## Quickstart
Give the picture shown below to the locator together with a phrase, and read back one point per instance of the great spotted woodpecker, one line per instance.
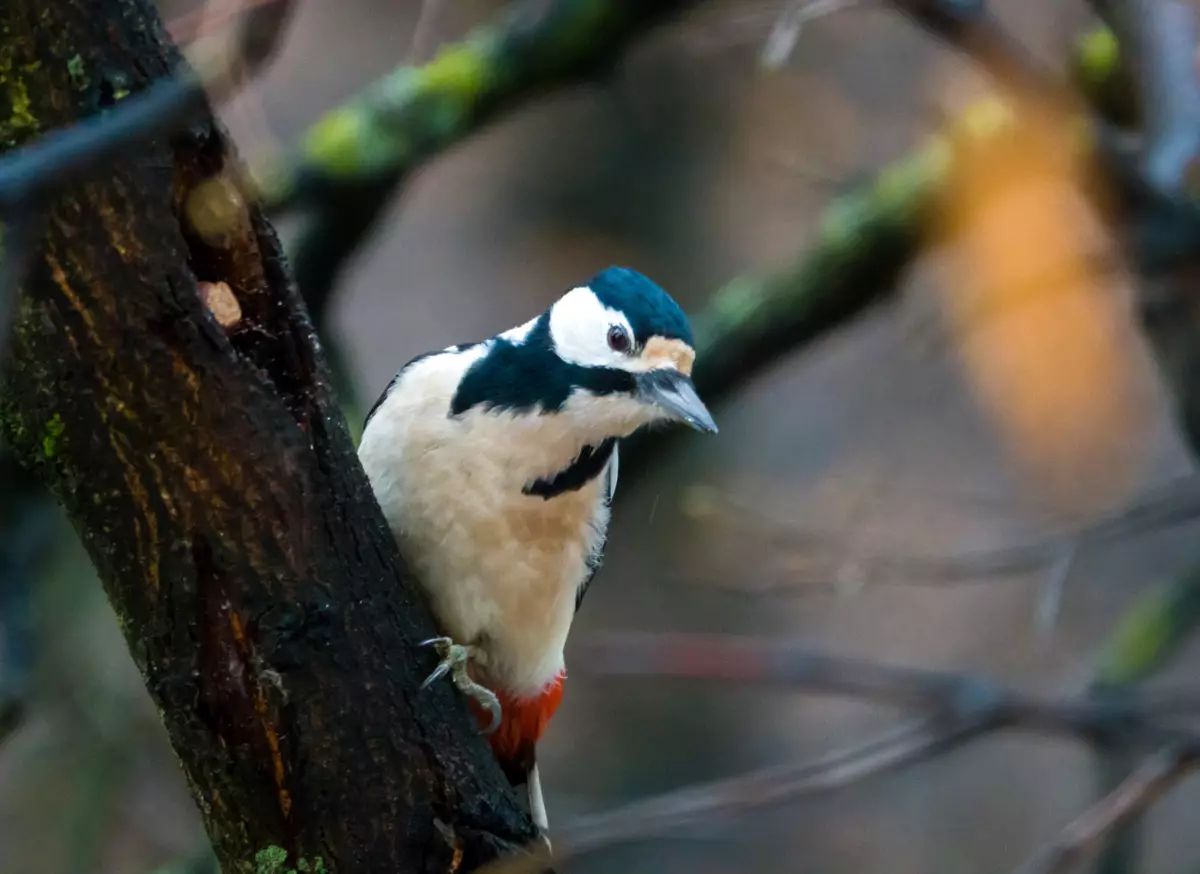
(495, 465)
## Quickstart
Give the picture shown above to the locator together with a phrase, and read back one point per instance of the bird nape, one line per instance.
(495, 465)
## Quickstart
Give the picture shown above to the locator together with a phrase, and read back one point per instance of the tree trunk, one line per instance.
(211, 477)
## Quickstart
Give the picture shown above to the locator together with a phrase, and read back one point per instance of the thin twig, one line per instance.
(959, 708)
(262, 32)
(785, 33)
(719, 800)
(422, 32)
(199, 22)
(703, 804)
(753, 660)
(1084, 837)
(1176, 503)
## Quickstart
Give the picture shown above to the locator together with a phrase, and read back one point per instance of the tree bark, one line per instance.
(212, 478)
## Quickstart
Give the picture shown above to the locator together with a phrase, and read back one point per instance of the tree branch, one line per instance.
(751, 660)
(1085, 836)
(261, 33)
(354, 159)
(31, 174)
(866, 240)
(1159, 37)
(721, 800)
(213, 482)
(961, 709)
(718, 801)
(1150, 633)
(968, 25)
(869, 237)
(829, 555)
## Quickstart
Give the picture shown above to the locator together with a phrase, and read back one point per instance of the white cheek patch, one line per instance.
(579, 326)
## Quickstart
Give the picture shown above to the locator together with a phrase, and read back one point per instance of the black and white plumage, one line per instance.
(495, 464)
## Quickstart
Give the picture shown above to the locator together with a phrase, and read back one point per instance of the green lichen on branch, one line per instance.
(78, 72)
(54, 430)
(866, 239)
(1098, 72)
(17, 120)
(273, 860)
(416, 111)
(1144, 641)
(352, 160)
(1151, 632)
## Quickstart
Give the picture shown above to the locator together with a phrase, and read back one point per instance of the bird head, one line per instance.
(632, 349)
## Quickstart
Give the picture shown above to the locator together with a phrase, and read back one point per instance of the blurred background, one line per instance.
(920, 430)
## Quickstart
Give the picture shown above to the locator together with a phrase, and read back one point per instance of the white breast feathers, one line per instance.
(501, 568)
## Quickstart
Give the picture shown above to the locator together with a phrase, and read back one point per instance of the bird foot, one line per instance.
(455, 658)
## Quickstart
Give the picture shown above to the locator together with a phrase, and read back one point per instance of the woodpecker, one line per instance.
(495, 465)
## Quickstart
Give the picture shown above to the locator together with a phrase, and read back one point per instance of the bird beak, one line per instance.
(671, 391)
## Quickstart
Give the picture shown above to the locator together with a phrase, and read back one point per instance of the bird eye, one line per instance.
(618, 340)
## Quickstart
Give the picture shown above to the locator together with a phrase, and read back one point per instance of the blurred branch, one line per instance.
(1146, 638)
(261, 33)
(1100, 74)
(1159, 39)
(353, 160)
(1157, 42)
(1143, 788)
(969, 26)
(866, 239)
(869, 237)
(832, 557)
(260, 28)
(720, 800)
(1149, 634)
(785, 32)
(961, 709)
(755, 661)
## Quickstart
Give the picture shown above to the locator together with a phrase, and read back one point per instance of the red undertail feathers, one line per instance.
(521, 725)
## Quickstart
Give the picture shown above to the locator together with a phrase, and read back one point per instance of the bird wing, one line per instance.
(596, 558)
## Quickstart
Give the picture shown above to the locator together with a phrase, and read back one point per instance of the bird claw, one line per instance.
(455, 658)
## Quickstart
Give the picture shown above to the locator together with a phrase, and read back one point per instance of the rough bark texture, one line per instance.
(215, 486)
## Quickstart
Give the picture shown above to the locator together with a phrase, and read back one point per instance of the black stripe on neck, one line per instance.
(585, 468)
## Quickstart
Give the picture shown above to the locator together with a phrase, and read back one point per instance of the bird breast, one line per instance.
(500, 568)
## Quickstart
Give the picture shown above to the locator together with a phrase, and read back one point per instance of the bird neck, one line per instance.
(560, 419)
(556, 449)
